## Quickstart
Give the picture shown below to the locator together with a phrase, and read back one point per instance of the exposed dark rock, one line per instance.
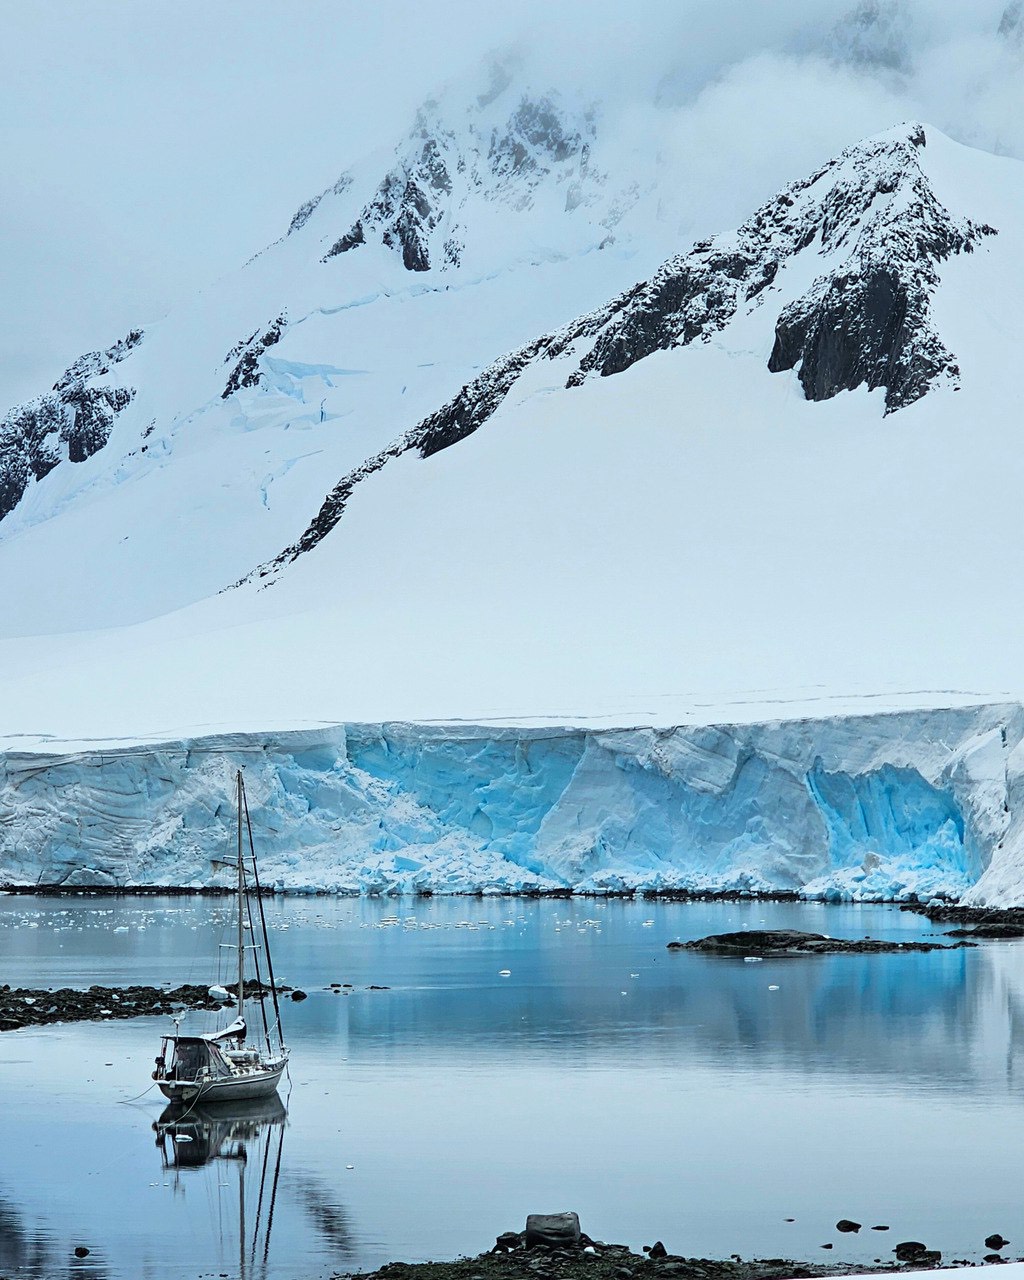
(657, 1250)
(880, 1228)
(246, 372)
(953, 913)
(993, 1257)
(793, 942)
(416, 202)
(305, 211)
(996, 1241)
(846, 1226)
(991, 930)
(594, 1260)
(909, 1250)
(826, 1246)
(81, 1251)
(509, 1240)
(298, 995)
(72, 422)
(26, 1007)
(553, 1230)
(350, 240)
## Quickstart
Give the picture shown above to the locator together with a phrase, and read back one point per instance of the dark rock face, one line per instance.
(793, 942)
(868, 323)
(996, 1241)
(306, 211)
(863, 322)
(846, 1226)
(246, 372)
(72, 422)
(414, 210)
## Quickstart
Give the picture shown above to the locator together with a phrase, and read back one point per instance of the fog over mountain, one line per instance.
(149, 149)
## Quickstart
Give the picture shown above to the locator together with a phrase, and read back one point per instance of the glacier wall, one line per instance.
(924, 803)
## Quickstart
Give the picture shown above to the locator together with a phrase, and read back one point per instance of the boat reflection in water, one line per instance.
(247, 1135)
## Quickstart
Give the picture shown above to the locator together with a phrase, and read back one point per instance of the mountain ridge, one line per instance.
(863, 321)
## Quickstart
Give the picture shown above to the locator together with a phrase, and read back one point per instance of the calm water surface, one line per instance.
(697, 1100)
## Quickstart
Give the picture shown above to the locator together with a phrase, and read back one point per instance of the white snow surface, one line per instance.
(689, 543)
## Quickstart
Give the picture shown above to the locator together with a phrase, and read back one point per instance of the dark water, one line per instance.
(661, 1095)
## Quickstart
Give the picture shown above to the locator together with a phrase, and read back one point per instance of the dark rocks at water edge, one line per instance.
(953, 913)
(916, 1252)
(793, 942)
(578, 1257)
(996, 930)
(28, 1007)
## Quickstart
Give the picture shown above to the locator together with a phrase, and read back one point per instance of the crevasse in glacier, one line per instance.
(864, 808)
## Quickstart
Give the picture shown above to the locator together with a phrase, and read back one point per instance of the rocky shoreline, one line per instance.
(940, 913)
(33, 1007)
(522, 1255)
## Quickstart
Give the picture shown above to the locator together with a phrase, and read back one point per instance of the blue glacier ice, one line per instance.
(872, 808)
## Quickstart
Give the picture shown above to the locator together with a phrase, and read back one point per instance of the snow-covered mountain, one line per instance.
(488, 223)
(477, 441)
(872, 228)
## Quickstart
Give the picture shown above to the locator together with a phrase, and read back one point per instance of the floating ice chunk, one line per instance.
(772, 987)
(752, 959)
(504, 973)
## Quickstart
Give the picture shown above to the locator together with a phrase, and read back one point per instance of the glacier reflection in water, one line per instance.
(525, 1056)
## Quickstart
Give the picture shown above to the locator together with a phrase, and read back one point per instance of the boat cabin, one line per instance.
(188, 1058)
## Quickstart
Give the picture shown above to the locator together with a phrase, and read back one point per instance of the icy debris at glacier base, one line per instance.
(918, 804)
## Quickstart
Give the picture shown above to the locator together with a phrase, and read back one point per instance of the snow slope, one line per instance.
(779, 477)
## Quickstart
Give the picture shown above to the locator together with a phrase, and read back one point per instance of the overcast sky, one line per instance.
(148, 145)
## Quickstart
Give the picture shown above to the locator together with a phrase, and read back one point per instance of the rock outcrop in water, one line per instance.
(794, 942)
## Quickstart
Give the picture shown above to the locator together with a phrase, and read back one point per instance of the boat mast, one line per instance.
(241, 905)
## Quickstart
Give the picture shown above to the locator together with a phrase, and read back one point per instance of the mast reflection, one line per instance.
(248, 1135)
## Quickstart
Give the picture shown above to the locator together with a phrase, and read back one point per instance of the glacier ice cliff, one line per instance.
(891, 806)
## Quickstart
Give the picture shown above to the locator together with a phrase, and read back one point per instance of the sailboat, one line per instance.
(221, 1066)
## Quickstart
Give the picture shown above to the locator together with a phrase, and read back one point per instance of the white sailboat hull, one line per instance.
(236, 1088)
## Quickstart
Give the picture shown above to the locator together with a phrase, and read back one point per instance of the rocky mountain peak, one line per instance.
(499, 149)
